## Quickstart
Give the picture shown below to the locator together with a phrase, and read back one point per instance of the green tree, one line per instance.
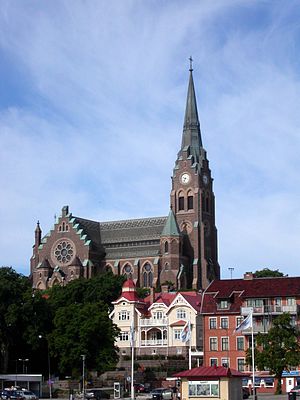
(12, 288)
(268, 273)
(83, 329)
(277, 350)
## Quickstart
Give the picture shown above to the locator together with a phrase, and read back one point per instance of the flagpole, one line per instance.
(132, 371)
(253, 363)
(190, 346)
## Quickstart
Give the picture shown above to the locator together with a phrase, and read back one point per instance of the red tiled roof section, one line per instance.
(237, 290)
(206, 372)
(178, 323)
(257, 287)
(129, 284)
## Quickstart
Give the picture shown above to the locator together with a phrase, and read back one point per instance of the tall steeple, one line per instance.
(193, 201)
(191, 128)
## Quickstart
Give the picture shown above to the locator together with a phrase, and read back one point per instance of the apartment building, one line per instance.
(224, 306)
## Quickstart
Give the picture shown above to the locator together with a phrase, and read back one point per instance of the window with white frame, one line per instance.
(177, 333)
(213, 344)
(213, 361)
(239, 320)
(212, 323)
(124, 336)
(124, 315)
(224, 322)
(240, 364)
(203, 388)
(225, 362)
(225, 343)
(181, 313)
(291, 301)
(240, 343)
(158, 315)
(223, 304)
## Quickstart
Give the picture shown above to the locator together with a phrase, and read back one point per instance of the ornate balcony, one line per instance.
(154, 342)
(153, 322)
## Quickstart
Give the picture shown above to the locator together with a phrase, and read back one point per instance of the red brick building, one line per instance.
(226, 302)
(180, 248)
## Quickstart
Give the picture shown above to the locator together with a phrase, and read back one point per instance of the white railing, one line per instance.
(269, 309)
(153, 322)
(154, 342)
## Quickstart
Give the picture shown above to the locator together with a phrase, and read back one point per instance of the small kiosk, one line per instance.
(208, 382)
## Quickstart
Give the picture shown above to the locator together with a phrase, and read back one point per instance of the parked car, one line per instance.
(96, 394)
(246, 393)
(12, 395)
(296, 389)
(162, 394)
(139, 388)
(29, 395)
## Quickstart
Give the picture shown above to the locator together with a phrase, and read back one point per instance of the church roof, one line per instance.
(132, 237)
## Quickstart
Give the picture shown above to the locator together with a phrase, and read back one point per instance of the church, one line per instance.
(179, 249)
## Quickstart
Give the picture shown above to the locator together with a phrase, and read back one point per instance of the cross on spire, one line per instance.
(191, 63)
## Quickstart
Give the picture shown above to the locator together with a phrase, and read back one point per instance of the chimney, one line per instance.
(152, 295)
(248, 276)
(164, 288)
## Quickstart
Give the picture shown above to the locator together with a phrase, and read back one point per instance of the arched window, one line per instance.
(190, 200)
(147, 275)
(207, 202)
(180, 201)
(166, 246)
(167, 266)
(127, 271)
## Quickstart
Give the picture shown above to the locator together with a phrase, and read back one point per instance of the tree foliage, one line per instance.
(63, 322)
(268, 273)
(277, 350)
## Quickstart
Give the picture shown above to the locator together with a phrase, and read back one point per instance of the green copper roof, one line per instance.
(171, 227)
(191, 127)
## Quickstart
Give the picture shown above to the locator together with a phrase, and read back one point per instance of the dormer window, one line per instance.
(223, 304)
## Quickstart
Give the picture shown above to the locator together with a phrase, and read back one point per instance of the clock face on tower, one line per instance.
(185, 178)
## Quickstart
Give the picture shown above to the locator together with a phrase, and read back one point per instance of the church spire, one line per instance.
(191, 127)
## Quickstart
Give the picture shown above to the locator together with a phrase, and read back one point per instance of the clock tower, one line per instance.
(193, 201)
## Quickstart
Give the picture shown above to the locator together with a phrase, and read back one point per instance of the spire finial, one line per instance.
(191, 63)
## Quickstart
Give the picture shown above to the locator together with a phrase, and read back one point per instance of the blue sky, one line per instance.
(91, 112)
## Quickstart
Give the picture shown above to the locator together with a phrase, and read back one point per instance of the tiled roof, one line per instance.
(238, 290)
(205, 372)
(129, 283)
(178, 323)
(129, 296)
(132, 230)
(257, 287)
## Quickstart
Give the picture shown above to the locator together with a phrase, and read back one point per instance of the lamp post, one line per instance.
(83, 375)
(49, 368)
(24, 360)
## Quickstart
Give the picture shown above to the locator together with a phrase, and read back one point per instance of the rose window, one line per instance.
(64, 252)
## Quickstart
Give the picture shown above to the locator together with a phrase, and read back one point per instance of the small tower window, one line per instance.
(190, 201)
(180, 203)
(166, 247)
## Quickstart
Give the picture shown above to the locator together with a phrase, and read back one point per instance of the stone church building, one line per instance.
(180, 248)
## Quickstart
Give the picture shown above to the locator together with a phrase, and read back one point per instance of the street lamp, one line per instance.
(24, 360)
(49, 369)
(83, 374)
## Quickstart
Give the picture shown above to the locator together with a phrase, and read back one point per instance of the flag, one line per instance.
(186, 332)
(131, 334)
(247, 323)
